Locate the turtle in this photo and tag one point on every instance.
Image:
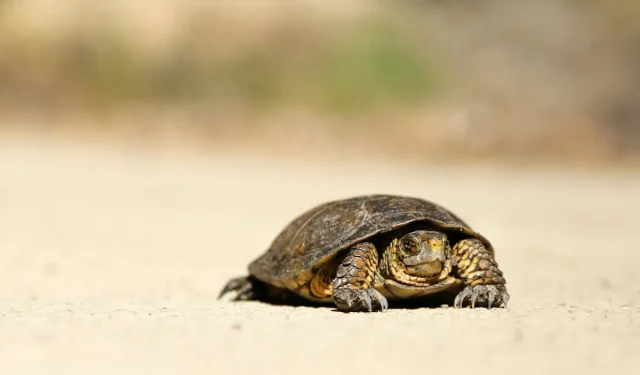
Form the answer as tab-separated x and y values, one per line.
363	251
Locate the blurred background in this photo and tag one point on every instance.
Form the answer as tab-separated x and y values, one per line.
150	149
546	81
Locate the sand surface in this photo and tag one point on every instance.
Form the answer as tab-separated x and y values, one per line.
110	263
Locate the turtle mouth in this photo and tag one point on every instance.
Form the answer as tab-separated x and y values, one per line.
425	256
425	263
426	268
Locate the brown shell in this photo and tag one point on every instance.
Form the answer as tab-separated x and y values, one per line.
320	233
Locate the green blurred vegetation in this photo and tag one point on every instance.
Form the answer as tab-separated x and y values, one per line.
372	63
501	77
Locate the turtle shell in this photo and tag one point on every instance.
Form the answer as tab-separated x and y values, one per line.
320	233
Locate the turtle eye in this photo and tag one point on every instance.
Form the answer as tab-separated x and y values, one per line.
409	246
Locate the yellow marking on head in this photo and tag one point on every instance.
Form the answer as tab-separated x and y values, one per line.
435	243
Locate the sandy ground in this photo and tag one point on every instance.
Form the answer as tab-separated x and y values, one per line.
110	263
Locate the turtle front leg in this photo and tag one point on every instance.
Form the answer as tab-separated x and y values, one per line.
479	271
352	287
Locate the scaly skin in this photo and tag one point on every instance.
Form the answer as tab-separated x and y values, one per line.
353	284
480	272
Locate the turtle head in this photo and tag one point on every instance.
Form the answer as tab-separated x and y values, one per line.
423	253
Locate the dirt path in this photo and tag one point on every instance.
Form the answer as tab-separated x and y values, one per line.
111	262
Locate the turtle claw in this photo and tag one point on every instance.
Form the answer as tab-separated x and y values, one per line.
347	299
241	285
360	300
491	296
474	298
483	293
384	304
461	297
367	300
